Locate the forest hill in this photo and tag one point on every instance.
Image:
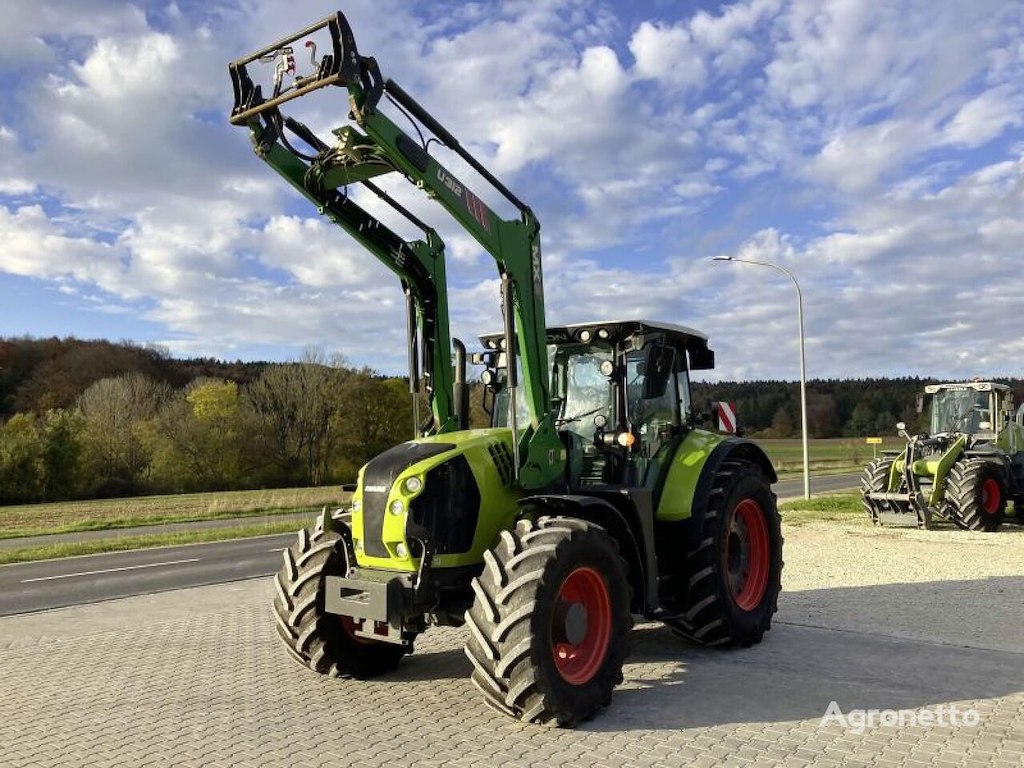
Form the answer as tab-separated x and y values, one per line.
94	418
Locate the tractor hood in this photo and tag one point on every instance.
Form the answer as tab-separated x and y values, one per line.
444	492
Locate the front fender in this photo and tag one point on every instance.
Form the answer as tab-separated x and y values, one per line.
629	524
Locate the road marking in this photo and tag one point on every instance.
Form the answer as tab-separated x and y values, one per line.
110	570
279	549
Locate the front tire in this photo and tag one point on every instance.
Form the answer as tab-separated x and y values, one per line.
875	479
323	642
734	561
549	628
977	494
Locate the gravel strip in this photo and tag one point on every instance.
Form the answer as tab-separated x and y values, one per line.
947	586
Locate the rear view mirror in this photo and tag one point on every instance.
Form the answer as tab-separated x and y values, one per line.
701	359
919	402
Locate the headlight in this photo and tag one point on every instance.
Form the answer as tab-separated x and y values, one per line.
413	485
397	507
402	550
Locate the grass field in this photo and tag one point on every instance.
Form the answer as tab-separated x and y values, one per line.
840	454
121	543
834	455
832	507
72	516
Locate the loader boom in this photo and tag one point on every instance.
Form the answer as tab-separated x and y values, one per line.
382	147
419	265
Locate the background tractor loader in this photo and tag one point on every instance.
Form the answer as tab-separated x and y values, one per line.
966	468
592	498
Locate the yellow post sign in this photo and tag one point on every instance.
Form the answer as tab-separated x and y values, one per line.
874	442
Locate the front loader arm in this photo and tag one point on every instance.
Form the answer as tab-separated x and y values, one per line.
384	147
515	247
419	265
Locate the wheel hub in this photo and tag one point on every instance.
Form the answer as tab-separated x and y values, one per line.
570	623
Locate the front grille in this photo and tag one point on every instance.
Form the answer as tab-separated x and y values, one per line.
449	506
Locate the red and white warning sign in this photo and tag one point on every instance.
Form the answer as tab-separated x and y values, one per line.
726	417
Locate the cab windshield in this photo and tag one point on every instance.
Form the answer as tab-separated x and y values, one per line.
580	392
959	410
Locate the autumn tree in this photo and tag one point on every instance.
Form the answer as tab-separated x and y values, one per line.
20	459
114	455
296	406
197	438
61	449
376	414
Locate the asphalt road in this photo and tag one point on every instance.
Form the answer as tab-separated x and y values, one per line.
794	488
45	584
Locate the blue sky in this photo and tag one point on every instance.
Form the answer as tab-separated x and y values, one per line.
876	150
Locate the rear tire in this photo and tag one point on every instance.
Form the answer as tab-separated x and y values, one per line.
734	559
321	641
549	628
976	493
875	479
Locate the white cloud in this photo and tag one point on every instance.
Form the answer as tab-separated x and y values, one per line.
33	246
985	117
875	149
858	159
667	53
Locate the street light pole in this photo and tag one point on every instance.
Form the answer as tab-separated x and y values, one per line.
803	373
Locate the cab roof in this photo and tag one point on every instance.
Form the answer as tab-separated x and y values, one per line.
978	386
617	331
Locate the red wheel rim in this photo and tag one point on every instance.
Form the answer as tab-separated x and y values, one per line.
350	626
746	555
990	496
581	626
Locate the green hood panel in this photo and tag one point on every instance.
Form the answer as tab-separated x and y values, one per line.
393	498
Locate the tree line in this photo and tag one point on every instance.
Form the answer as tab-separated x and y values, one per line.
95	419
88	419
835	408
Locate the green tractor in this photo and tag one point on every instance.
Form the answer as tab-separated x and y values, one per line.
592	497
965	469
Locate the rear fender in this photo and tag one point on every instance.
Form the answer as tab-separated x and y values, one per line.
690	478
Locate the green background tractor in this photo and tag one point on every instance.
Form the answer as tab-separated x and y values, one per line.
592	498
966	468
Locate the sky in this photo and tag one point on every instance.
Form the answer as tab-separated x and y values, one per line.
873	150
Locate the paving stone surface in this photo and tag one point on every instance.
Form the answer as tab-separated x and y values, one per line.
197	678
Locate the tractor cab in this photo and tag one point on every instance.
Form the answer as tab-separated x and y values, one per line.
620	395
980	409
